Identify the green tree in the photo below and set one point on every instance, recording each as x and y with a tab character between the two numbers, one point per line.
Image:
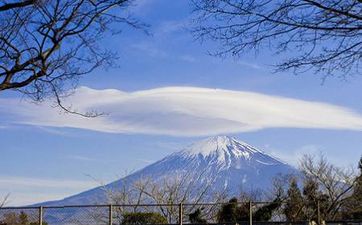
196	217
142	218
353	206
314	198
310	194
294	202
265	212
233	211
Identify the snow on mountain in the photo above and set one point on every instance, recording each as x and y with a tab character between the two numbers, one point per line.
226	151
229	164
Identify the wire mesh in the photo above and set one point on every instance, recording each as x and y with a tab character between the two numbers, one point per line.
90	215
155	214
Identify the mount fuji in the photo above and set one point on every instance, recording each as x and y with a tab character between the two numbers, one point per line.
230	164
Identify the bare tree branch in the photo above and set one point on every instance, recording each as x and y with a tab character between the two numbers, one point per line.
4	201
321	35
335	182
46	47
19	4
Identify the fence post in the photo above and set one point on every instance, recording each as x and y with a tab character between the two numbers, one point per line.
250	213
40	215
319	213
180	214
110	214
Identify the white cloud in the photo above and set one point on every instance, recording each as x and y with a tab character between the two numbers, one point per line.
183	111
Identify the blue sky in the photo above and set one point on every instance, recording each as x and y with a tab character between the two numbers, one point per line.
168	92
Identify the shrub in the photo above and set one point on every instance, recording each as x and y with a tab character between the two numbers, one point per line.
141	218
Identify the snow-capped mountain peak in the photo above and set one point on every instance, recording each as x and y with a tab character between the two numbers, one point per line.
223	148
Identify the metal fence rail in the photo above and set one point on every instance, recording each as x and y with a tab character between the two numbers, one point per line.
177	214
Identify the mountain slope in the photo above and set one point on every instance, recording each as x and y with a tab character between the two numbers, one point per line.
227	163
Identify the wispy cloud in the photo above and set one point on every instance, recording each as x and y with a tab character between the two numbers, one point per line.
27	190
44	183
184	111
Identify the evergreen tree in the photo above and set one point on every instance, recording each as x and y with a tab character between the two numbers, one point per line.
228	212
265	212
294	203
313	198
310	194
142	218
233	212
196	217
353	208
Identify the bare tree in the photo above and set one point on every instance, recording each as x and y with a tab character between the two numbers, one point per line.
325	36
47	45
335	183
181	189
166	195
4	201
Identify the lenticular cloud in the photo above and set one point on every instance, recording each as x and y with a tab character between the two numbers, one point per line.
183	111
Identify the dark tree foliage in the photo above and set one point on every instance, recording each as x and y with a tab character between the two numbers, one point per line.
353	206
233	211
46	46
315	34
265	212
141	218
310	193
314	198
196	217
294	202
326	183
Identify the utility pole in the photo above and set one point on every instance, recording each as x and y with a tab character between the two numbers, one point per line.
250	213
180	214
319	213
41	215
110	215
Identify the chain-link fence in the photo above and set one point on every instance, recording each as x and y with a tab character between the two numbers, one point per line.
250	213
